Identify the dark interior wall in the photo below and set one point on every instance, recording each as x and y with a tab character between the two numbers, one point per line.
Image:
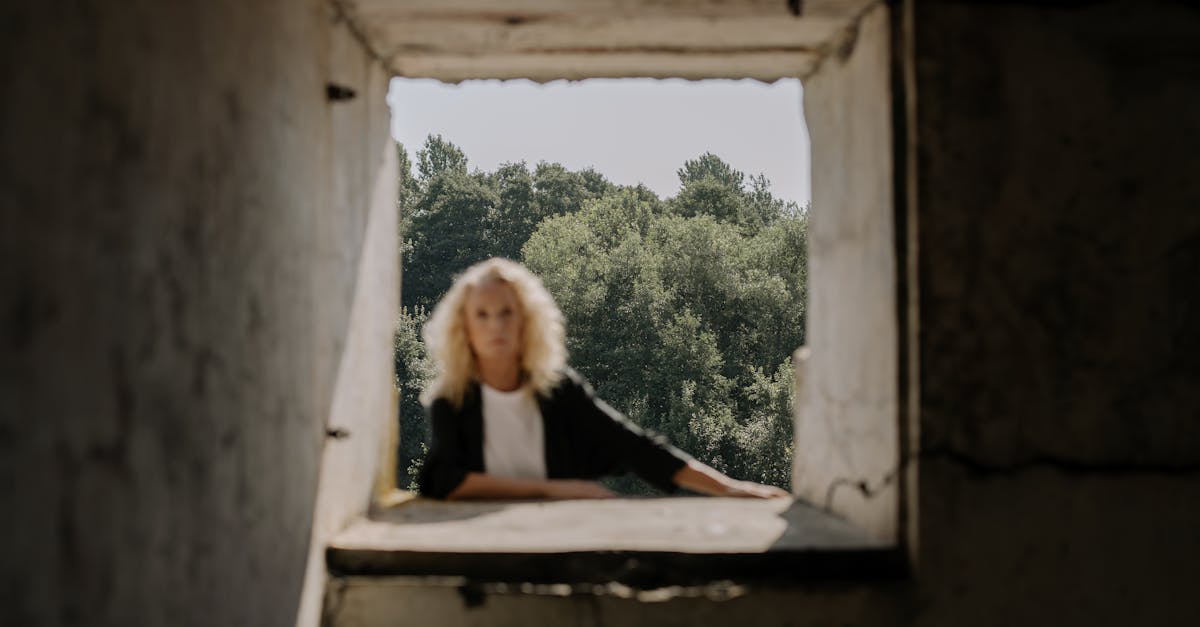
161	411
1058	208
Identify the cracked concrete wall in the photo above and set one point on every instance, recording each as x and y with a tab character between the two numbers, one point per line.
184	216
1059	245
847	394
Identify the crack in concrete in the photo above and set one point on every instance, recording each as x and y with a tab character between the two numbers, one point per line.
335	592
841	45
982	468
864	488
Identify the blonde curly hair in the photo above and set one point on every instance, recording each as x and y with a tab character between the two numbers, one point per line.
543	350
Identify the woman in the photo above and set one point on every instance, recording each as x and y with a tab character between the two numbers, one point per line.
511	420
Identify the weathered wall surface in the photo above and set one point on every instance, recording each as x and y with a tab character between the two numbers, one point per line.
357	250
383	601
180	252
1059	216
1060	232
847	395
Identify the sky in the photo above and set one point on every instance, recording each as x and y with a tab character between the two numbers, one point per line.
630	130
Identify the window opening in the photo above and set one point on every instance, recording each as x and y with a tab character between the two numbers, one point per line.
667	218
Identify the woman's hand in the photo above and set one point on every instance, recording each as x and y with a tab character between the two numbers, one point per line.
576	489
704	479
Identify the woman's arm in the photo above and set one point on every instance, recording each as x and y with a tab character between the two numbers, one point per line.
695	476
479	485
613	437
702	478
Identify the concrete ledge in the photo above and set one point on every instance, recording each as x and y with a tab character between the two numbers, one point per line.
456	602
643	543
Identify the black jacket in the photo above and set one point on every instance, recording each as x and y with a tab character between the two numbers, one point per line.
584	439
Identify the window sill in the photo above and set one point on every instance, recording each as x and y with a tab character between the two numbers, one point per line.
640	542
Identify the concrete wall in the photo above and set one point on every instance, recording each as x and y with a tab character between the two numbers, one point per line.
359	252
1059	250
847	397
446	602
183	224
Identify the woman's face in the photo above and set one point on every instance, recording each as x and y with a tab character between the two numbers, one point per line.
494	321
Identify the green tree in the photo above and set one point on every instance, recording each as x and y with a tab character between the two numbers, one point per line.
710	166
710	186
439	156
558	190
676	318
413	370
406	193
709	197
595	183
448	234
516	213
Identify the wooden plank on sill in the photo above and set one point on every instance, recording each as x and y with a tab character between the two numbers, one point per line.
640	542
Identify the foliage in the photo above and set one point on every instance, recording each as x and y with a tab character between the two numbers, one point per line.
682	312
456	218
447	234
712	187
413	370
439	157
685	323
710	166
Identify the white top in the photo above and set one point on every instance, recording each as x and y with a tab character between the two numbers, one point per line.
513	434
